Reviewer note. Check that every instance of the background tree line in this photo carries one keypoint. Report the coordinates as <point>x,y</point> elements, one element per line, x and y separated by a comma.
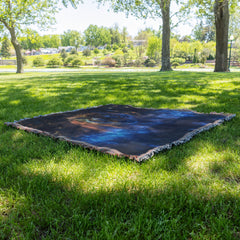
<point>94,36</point>
<point>17,15</point>
<point>196,48</point>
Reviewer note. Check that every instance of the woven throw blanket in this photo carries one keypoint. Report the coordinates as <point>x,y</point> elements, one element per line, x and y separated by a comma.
<point>123,130</point>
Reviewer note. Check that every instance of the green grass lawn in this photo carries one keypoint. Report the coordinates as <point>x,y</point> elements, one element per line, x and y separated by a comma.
<point>52,190</point>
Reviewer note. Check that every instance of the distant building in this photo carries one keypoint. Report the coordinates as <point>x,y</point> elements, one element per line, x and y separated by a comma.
<point>48,50</point>
<point>137,43</point>
<point>82,48</point>
<point>33,52</point>
<point>67,48</point>
<point>102,47</point>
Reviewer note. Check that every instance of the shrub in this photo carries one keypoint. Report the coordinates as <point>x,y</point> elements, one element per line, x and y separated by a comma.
<point>236,54</point>
<point>97,62</point>
<point>130,63</point>
<point>126,59</point>
<point>178,60</point>
<point>118,52</point>
<point>24,60</point>
<point>68,60</point>
<point>195,59</point>
<point>74,51</point>
<point>105,52</point>
<point>175,64</point>
<point>153,49</point>
<point>195,56</point>
<point>180,54</point>
<point>96,50</point>
<point>150,62</point>
<point>63,54</point>
<point>125,50</point>
<point>109,48</point>
<point>38,62</point>
<point>211,57</point>
<point>76,62</point>
<point>203,59</point>
<point>109,61</point>
<point>138,62</point>
<point>73,61</point>
<point>115,46</point>
<point>122,45</point>
<point>131,46</point>
<point>86,52</point>
<point>119,60</point>
<point>54,62</point>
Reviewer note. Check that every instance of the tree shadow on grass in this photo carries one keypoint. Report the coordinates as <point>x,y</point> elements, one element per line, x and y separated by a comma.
<point>44,206</point>
<point>69,91</point>
<point>46,203</point>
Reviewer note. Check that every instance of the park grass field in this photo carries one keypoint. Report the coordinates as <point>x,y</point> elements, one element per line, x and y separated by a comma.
<point>53,190</point>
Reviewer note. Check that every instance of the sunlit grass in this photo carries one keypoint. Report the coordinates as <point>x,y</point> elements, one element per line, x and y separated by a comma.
<point>52,190</point>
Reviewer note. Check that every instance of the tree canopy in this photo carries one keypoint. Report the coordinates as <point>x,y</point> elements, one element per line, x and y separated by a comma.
<point>17,15</point>
<point>220,10</point>
<point>145,9</point>
<point>97,36</point>
<point>71,38</point>
<point>5,49</point>
<point>22,13</point>
<point>234,25</point>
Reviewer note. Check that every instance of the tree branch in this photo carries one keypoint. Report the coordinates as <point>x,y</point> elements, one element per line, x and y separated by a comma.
<point>5,23</point>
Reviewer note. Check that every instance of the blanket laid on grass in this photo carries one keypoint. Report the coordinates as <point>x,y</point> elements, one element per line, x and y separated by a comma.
<point>122,130</point>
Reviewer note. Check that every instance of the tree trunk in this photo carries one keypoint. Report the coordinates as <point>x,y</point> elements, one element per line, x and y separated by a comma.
<point>221,12</point>
<point>165,8</point>
<point>17,48</point>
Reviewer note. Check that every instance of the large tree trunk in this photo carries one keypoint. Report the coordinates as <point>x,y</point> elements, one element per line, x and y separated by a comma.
<point>165,8</point>
<point>17,48</point>
<point>221,12</point>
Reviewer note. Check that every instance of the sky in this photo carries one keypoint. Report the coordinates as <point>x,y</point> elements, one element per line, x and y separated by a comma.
<point>88,13</point>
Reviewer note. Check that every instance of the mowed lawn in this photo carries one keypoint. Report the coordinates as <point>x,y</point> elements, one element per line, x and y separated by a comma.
<point>53,190</point>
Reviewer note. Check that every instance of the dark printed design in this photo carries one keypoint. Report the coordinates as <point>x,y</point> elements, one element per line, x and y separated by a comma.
<point>136,133</point>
